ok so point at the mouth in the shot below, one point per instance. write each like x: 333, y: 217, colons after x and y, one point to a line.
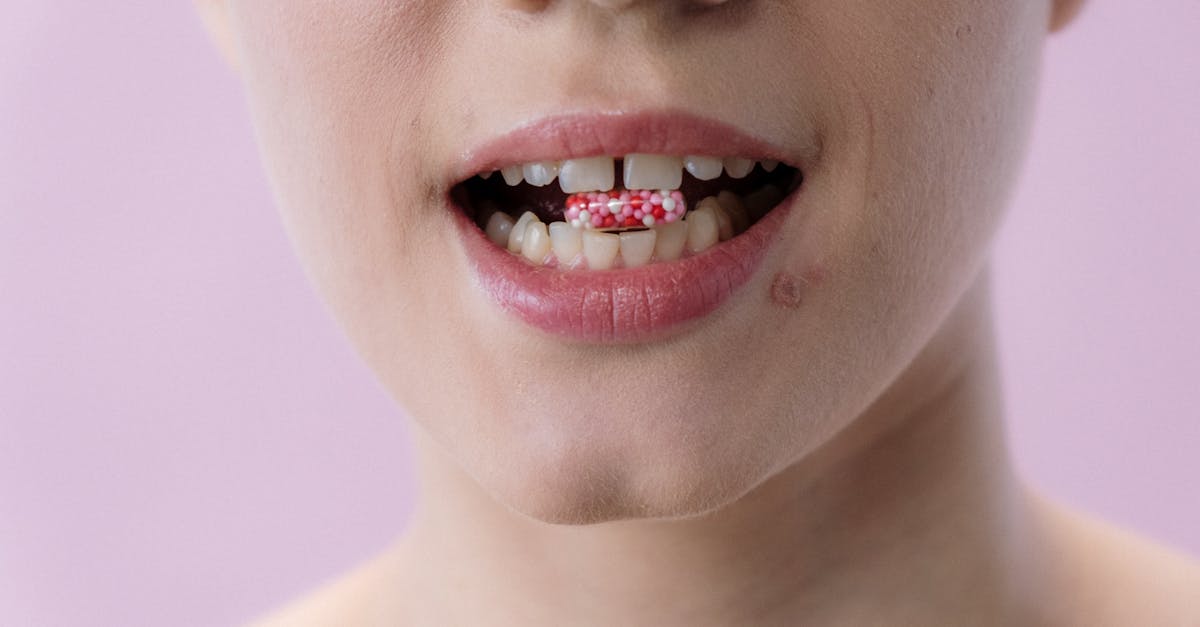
x: 605, y: 212
x: 620, y: 227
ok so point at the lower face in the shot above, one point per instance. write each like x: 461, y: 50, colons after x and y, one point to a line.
x: 629, y: 263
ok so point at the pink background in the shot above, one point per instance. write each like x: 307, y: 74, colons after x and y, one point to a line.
x: 185, y: 438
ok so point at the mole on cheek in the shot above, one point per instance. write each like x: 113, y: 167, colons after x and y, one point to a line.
x: 787, y: 290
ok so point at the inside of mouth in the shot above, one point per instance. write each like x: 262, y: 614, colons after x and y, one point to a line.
x: 536, y: 221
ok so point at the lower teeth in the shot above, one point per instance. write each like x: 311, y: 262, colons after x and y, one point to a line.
x: 620, y: 238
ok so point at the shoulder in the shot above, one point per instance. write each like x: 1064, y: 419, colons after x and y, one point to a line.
x: 1105, y: 575
x: 354, y: 599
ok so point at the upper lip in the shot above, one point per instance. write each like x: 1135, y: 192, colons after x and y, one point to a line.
x: 670, y: 132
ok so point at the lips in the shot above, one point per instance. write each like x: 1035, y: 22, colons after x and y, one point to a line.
x: 629, y: 304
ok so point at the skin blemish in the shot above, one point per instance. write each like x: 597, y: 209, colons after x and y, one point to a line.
x: 787, y: 289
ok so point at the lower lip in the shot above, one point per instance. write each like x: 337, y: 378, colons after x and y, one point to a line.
x: 619, y: 306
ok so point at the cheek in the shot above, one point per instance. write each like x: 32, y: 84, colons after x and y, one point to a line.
x: 928, y: 122
x: 952, y: 120
x: 344, y: 146
x: 936, y: 101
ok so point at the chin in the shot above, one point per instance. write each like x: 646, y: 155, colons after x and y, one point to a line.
x: 600, y: 491
x: 687, y: 465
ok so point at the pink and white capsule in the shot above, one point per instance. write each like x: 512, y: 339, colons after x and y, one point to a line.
x: 622, y: 209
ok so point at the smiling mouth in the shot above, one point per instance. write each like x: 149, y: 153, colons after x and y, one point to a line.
x: 612, y: 212
x: 610, y: 275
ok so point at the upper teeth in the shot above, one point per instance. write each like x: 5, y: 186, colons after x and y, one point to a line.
x: 738, y: 167
x: 540, y: 173
x: 642, y: 171
x: 703, y: 168
x: 594, y: 174
x: 653, y: 172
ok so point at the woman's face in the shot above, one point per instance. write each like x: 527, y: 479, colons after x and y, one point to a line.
x: 672, y: 389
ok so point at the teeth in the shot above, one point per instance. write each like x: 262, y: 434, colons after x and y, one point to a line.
x: 600, y: 249
x: 513, y: 175
x: 670, y: 240
x: 724, y: 223
x: 715, y: 219
x: 540, y: 173
x: 703, y: 168
x: 641, y: 170
x: 701, y: 229
x: 536, y: 244
x: 567, y: 242
x: 516, y: 237
x: 595, y: 174
x: 499, y: 226
x: 712, y: 220
x: 644, y: 171
x: 733, y: 207
x: 637, y: 247
x: 738, y: 167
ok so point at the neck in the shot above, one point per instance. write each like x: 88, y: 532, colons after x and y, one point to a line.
x: 912, y: 508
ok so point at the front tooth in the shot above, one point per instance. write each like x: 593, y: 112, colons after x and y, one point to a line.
x: 513, y: 175
x: 537, y: 242
x: 703, y: 168
x: 516, y: 238
x: 540, y: 173
x: 670, y: 240
x: 738, y: 167
x: 769, y: 165
x: 701, y: 229
x: 567, y: 242
x: 499, y: 227
x: 637, y: 247
x: 644, y: 171
x: 600, y: 249
x: 594, y: 174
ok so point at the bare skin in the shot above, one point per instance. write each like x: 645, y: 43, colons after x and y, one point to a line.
x: 836, y: 456
x: 913, y: 516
